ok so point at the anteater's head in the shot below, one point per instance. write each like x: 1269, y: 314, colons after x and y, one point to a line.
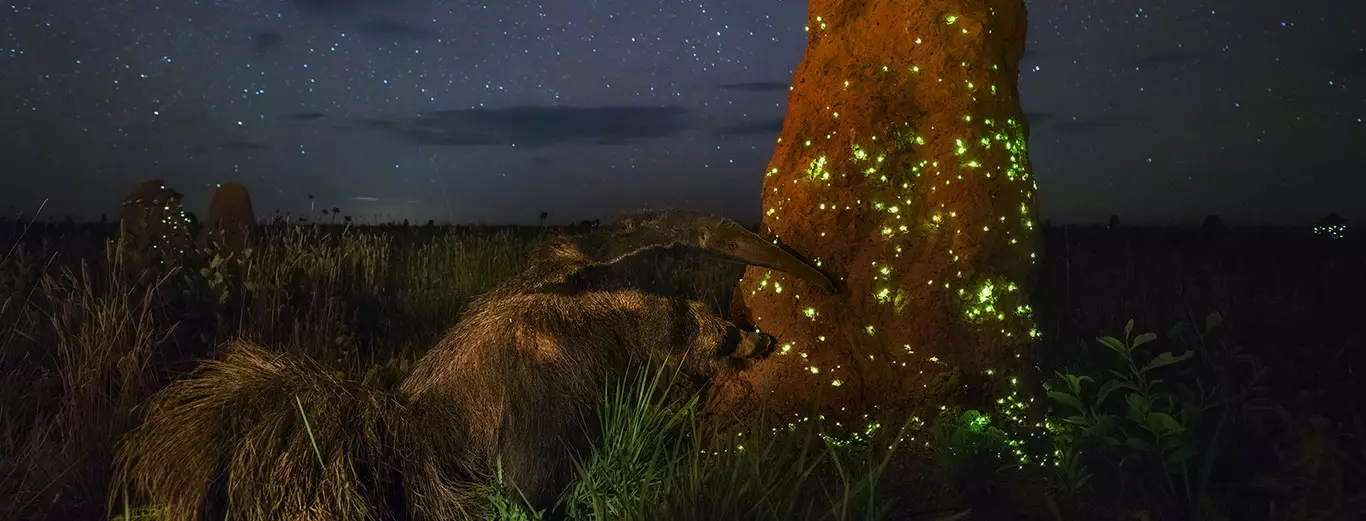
x: 720, y: 237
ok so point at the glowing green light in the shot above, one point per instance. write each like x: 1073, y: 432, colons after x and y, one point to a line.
x: 817, y: 170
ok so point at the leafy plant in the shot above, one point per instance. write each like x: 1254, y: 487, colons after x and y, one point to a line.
x: 1136, y: 417
x: 1197, y: 422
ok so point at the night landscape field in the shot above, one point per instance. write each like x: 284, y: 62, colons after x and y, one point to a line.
x: 921, y: 260
x: 85, y: 342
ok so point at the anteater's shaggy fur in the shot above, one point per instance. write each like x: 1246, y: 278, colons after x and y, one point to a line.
x: 513, y: 384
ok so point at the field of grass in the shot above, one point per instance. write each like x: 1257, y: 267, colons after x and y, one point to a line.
x: 1252, y: 418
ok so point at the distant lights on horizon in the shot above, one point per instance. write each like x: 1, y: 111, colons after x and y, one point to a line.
x: 1331, y: 231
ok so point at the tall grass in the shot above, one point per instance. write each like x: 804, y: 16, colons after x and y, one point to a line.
x: 84, y: 340
x: 653, y: 462
x: 103, y: 333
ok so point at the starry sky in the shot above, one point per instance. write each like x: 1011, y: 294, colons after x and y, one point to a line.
x: 1160, y: 111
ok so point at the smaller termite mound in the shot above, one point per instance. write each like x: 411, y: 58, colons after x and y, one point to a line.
x: 229, y: 221
x: 153, y: 224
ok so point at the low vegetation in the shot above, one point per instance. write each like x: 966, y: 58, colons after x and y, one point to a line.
x: 1185, y: 425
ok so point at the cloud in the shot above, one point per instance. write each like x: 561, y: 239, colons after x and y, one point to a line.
x: 379, y: 123
x: 446, y: 136
x: 306, y: 116
x: 265, y: 41
x: 757, y: 86
x: 771, y: 126
x: 392, y: 28
x: 1038, y: 118
x: 536, y: 126
x: 242, y: 145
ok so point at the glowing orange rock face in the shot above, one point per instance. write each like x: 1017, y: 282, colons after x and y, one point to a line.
x: 230, y: 219
x: 902, y: 169
x: 154, y: 223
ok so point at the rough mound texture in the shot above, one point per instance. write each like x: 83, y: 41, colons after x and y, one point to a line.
x: 230, y: 219
x: 902, y: 169
x: 154, y: 223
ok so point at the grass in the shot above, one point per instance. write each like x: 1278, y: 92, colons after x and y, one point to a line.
x: 1224, y: 432
x: 654, y: 463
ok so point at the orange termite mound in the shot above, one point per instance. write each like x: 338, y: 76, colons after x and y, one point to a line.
x: 902, y: 170
x: 229, y: 221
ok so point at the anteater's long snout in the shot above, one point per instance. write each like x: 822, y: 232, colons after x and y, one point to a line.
x: 750, y: 248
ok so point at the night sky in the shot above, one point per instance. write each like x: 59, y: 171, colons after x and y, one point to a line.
x: 1160, y: 111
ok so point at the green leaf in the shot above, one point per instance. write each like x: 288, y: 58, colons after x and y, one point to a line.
x: 1074, y: 382
x: 1164, y: 424
x: 1109, y: 387
x: 1138, y: 406
x: 1143, y: 339
x: 1128, y: 328
x: 1113, y: 343
x: 1078, y: 421
x: 1067, y: 399
x: 1212, y: 321
x: 1166, y: 359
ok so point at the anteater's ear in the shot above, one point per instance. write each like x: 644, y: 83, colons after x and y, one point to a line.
x: 716, y: 236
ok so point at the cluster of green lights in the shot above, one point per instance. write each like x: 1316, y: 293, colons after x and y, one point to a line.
x: 174, y: 222
x: 1333, y: 231
x: 861, y: 436
x: 985, y: 304
x: 987, y: 301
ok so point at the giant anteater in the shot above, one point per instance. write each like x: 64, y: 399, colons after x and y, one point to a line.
x: 258, y: 435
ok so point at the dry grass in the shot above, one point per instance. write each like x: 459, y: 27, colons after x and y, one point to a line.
x: 257, y: 418
x: 102, y: 334
x: 85, y: 340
